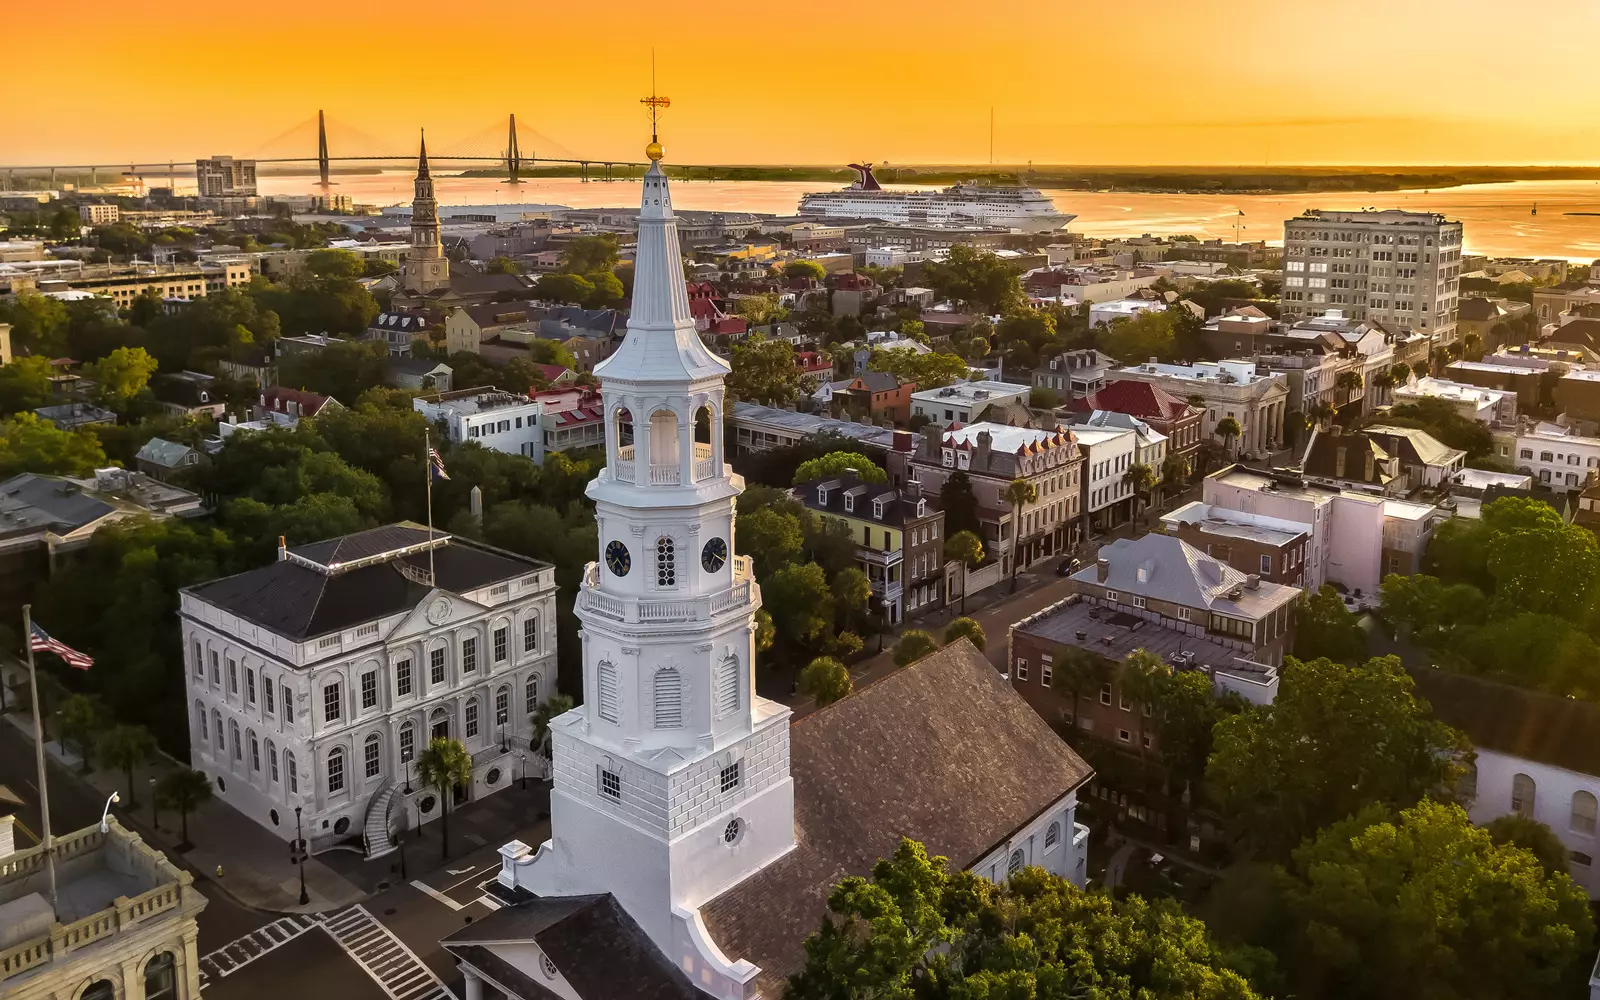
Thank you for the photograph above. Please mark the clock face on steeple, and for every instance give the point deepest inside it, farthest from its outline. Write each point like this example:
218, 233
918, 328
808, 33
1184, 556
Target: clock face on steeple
714, 555
617, 559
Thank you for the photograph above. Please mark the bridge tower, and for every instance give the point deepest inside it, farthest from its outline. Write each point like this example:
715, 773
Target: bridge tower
322, 148
513, 153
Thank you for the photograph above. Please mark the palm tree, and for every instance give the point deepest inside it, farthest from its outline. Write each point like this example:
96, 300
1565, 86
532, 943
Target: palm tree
1227, 429
126, 747
1142, 479
966, 548
826, 680
1383, 381
1321, 411
553, 706
1074, 669
1140, 677
1019, 494
1174, 471
443, 766
1400, 374
183, 790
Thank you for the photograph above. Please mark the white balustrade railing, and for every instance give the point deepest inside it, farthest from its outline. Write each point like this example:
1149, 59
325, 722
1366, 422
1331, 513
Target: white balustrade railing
591, 598
623, 472
665, 475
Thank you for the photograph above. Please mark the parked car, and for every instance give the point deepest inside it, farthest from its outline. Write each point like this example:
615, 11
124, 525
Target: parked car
1068, 566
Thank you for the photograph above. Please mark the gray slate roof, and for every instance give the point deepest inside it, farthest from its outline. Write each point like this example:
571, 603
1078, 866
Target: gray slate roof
160, 451
1166, 568
944, 752
29, 502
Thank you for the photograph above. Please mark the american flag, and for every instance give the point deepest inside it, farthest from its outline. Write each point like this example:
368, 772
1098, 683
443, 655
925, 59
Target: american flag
42, 642
436, 464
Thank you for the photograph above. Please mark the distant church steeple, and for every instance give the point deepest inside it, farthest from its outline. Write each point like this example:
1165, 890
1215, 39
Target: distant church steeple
426, 269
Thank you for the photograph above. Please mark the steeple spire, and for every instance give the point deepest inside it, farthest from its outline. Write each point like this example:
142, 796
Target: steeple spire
425, 269
422, 158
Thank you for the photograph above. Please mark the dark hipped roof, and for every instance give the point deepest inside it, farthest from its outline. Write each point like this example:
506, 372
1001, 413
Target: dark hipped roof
593, 942
301, 602
944, 752
1512, 720
29, 502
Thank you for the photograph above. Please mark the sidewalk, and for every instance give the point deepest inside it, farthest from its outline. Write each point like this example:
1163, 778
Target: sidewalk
252, 866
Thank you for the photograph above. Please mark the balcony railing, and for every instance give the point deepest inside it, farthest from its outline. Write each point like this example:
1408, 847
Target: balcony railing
704, 467
591, 598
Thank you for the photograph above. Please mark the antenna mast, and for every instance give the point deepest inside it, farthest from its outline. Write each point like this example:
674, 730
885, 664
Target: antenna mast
654, 105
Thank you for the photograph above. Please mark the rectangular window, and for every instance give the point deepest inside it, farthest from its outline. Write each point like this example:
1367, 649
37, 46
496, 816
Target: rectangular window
611, 784
272, 762
532, 695
436, 666
469, 654
472, 719
501, 641
502, 708
250, 685
1124, 736
369, 689
530, 634
370, 758
1137, 601
268, 689
402, 678
1105, 694
332, 703
288, 706
233, 676
1112, 596
730, 776
1046, 670
335, 771
199, 662
255, 753
216, 668
1022, 669
408, 743
1183, 614
1266, 565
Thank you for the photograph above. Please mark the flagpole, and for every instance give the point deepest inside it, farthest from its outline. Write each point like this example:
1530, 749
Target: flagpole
38, 749
427, 470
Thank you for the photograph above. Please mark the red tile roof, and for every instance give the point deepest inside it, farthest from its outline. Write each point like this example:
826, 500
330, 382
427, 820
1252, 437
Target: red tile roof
1139, 399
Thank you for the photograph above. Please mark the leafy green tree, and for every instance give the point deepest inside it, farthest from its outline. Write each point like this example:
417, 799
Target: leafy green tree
183, 790
929, 371
1018, 494
326, 263
761, 309
919, 931
840, 463
801, 268
1185, 710
571, 288
126, 747
80, 719
797, 595
1538, 561
548, 711
1137, 339
1140, 676
965, 628
914, 644
343, 370
38, 324
826, 680
1228, 430
1534, 837
29, 444
1444, 422
122, 375
590, 253
964, 547
1174, 471
1425, 904
764, 371
607, 292
852, 593
1074, 670
975, 278
1325, 627
1337, 738
502, 265
443, 766
307, 303
25, 384
771, 537
960, 505
1141, 479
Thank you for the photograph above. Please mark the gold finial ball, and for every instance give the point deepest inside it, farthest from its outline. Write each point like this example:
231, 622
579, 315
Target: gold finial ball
654, 151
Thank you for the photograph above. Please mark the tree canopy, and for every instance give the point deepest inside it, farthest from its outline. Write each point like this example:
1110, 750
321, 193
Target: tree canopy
975, 278
840, 463
929, 371
764, 371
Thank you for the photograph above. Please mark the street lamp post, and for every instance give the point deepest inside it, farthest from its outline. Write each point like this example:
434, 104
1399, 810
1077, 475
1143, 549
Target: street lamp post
300, 857
522, 762
155, 818
400, 842
408, 776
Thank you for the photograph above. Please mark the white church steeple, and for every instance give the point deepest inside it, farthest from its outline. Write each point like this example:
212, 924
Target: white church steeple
671, 780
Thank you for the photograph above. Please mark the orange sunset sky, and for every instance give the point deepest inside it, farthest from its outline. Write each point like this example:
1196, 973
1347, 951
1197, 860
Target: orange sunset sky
1158, 82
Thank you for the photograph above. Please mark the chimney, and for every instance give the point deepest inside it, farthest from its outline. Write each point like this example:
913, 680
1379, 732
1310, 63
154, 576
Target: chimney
1253, 581
902, 441
980, 457
283, 550
1102, 569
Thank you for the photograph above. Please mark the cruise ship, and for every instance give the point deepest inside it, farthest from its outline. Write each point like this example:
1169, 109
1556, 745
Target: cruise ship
965, 204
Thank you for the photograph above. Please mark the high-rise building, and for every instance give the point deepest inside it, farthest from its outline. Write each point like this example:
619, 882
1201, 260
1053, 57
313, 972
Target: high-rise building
426, 268
1399, 269
225, 177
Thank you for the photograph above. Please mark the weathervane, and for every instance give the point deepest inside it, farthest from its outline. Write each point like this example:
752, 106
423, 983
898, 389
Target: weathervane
655, 104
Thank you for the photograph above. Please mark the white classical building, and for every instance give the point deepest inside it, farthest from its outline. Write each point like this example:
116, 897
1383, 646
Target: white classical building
315, 681
503, 421
683, 802
1255, 398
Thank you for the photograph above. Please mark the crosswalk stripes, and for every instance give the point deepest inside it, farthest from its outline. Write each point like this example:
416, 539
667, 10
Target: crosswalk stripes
238, 953
393, 966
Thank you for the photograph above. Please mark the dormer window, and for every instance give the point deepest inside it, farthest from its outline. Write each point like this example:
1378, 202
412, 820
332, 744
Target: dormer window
822, 496
877, 510
922, 508
966, 460
849, 503
949, 458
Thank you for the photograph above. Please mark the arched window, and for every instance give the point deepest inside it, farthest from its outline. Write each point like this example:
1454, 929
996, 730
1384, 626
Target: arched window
1522, 791
606, 687
216, 725
233, 735
255, 753
1015, 864
531, 695
666, 563
1583, 812
664, 447
161, 977
100, 989
502, 706
472, 718
200, 717
272, 762
294, 773
725, 687
408, 743
1052, 836
336, 769
370, 757
668, 702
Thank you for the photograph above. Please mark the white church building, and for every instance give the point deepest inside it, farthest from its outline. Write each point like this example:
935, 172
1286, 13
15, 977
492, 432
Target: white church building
697, 828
